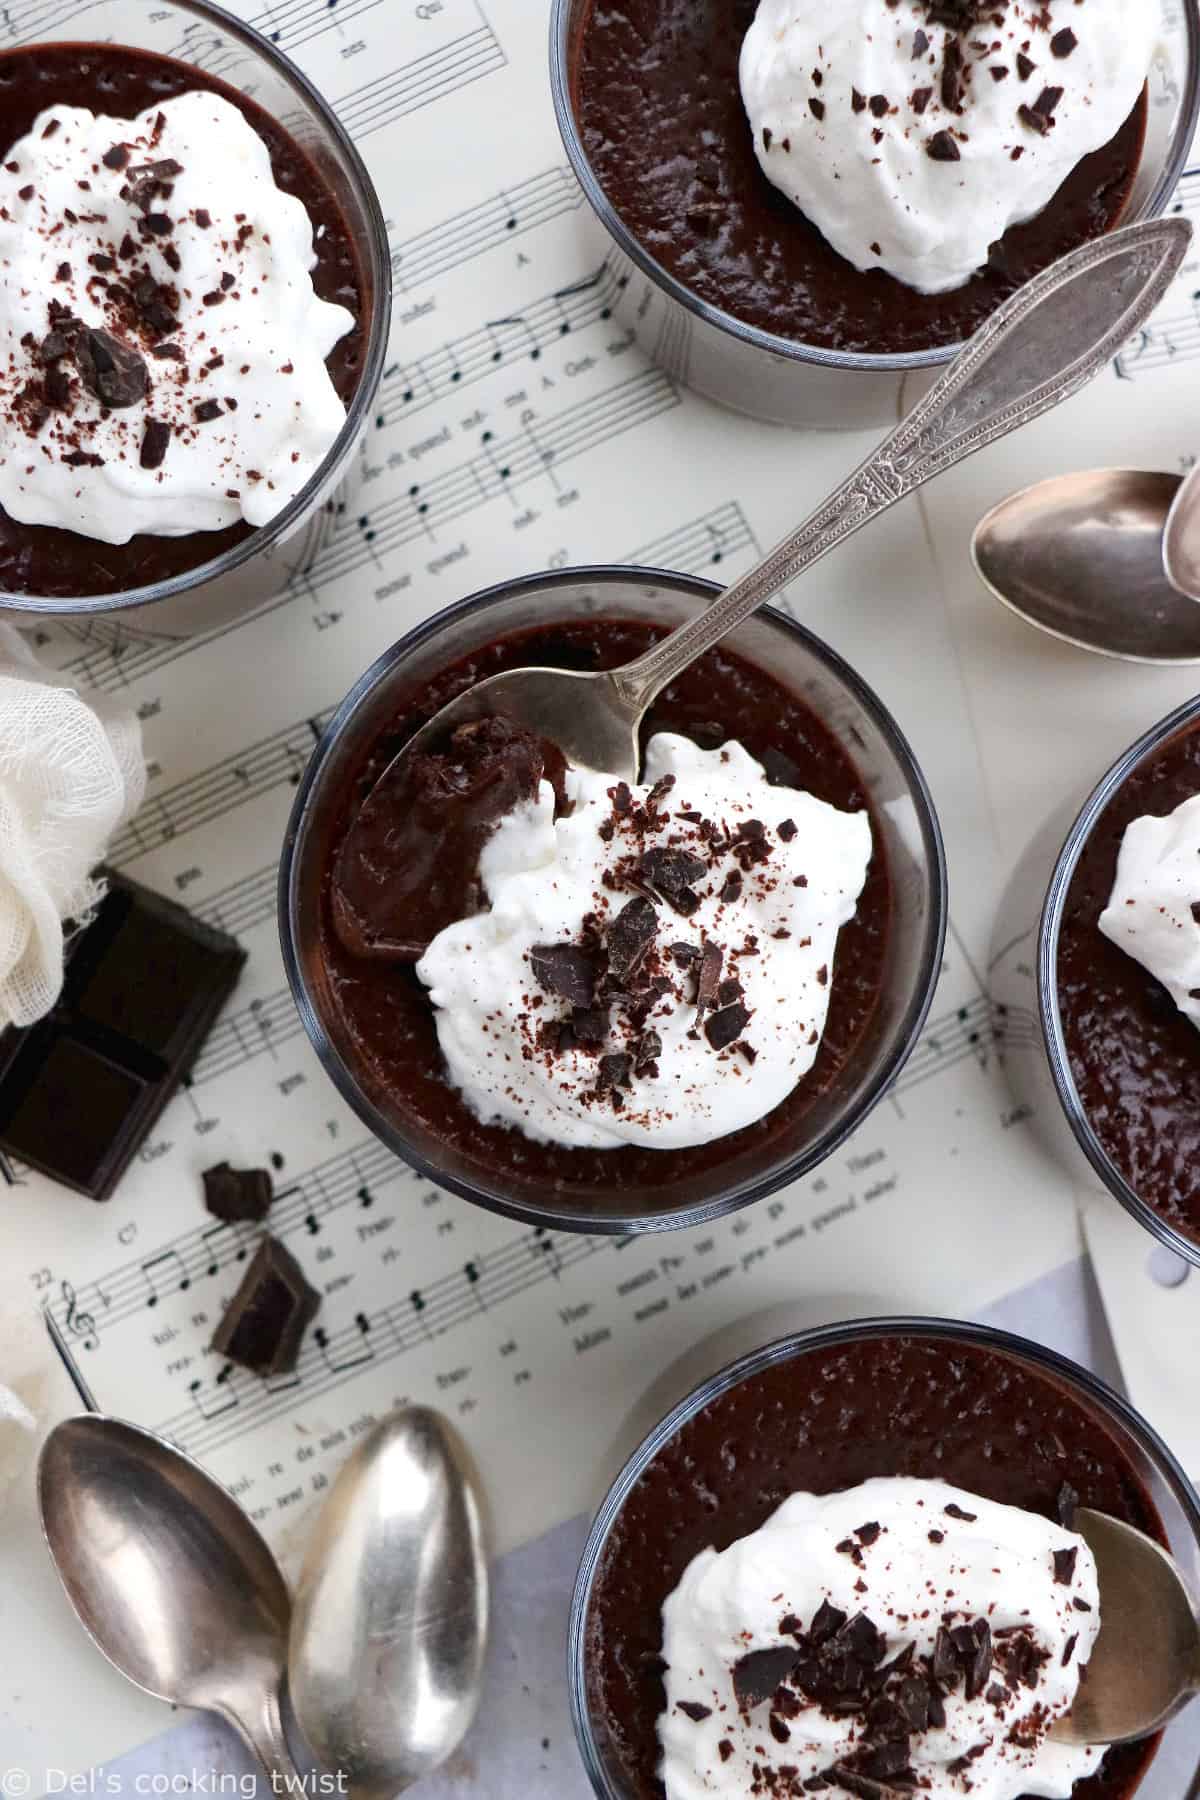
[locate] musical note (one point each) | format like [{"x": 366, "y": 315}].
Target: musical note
[{"x": 169, "y": 1269}]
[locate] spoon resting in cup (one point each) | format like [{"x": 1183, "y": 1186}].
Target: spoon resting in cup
[{"x": 1041, "y": 346}]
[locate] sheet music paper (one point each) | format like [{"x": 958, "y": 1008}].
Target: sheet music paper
[{"x": 518, "y": 429}]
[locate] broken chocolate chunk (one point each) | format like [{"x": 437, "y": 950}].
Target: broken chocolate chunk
[
  {"x": 942, "y": 148},
  {"x": 1064, "y": 1565},
  {"x": 954, "y": 1511},
  {"x": 1063, "y": 42},
  {"x": 233, "y": 1195},
  {"x": 672, "y": 872},
  {"x": 155, "y": 439},
  {"x": 725, "y": 1027},
  {"x": 692, "y": 1709},
  {"x": 265, "y": 1321},
  {"x": 565, "y": 970},
  {"x": 207, "y": 411},
  {"x": 629, "y": 937},
  {"x": 827, "y": 1622},
  {"x": 756, "y": 1676},
  {"x": 614, "y": 1072},
  {"x": 112, "y": 369},
  {"x": 708, "y": 982}
]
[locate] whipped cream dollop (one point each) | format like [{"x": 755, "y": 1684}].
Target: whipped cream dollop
[
  {"x": 655, "y": 964},
  {"x": 162, "y": 351},
  {"x": 913, "y": 144},
  {"x": 902, "y": 1625},
  {"x": 1153, "y": 913}
]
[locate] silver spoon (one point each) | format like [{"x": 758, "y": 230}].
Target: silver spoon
[
  {"x": 1040, "y": 347},
  {"x": 390, "y": 1623},
  {"x": 168, "y": 1577},
  {"x": 1106, "y": 559},
  {"x": 1146, "y": 1662}
]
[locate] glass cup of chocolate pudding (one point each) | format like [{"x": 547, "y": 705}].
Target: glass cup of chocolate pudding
[
  {"x": 1092, "y": 972},
  {"x": 940, "y": 1635},
  {"x": 804, "y": 212},
  {"x": 193, "y": 358},
  {"x": 668, "y": 1023}
]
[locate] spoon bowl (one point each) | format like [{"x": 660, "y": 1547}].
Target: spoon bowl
[
  {"x": 1081, "y": 557},
  {"x": 391, "y": 1617},
  {"x": 167, "y": 1576},
  {"x": 1146, "y": 1661}
]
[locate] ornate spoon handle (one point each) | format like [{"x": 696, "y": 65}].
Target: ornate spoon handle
[{"x": 1044, "y": 344}]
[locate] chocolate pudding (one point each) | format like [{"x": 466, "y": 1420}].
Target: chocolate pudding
[
  {"x": 1135, "y": 1057},
  {"x": 128, "y": 286},
  {"x": 826, "y": 1420},
  {"x": 656, "y": 95},
  {"x": 386, "y": 1012}
]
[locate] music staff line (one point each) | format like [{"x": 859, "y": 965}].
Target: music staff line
[
  {"x": 977, "y": 1029},
  {"x": 508, "y": 214},
  {"x": 214, "y": 792},
  {"x": 223, "y": 1410},
  {"x": 240, "y": 1037},
  {"x": 409, "y": 387},
  {"x": 288, "y": 23},
  {"x": 450, "y": 65},
  {"x": 501, "y": 466},
  {"x": 418, "y": 84},
  {"x": 353, "y": 1177}
]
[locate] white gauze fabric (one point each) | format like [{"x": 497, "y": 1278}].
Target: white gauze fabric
[{"x": 71, "y": 774}]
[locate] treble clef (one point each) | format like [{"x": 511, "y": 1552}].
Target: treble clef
[{"x": 79, "y": 1324}]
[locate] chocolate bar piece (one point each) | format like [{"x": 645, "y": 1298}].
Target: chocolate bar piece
[
  {"x": 238, "y": 1195},
  {"x": 81, "y": 1090},
  {"x": 266, "y": 1320}
]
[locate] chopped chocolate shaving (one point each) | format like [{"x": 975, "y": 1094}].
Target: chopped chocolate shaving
[
  {"x": 858, "y": 101},
  {"x": 711, "y": 959},
  {"x": 787, "y": 830},
  {"x": 920, "y": 44},
  {"x": 953, "y": 1511},
  {"x": 867, "y": 1534},
  {"x": 945, "y": 1658},
  {"x": 615, "y": 1072},
  {"x": 1069, "y": 1649},
  {"x": 725, "y": 1027},
  {"x": 827, "y": 1622},
  {"x": 155, "y": 439},
  {"x": 630, "y": 936},
  {"x": 565, "y": 970},
  {"x": 265, "y": 1321},
  {"x": 207, "y": 411},
  {"x": 731, "y": 889},
  {"x": 921, "y": 98},
  {"x": 685, "y": 954},
  {"x": 1064, "y": 1565},
  {"x": 692, "y": 1709},
  {"x": 234, "y": 1195},
  {"x": 756, "y": 1676},
  {"x": 1025, "y": 66},
  {"x": 942, "y": 148},
  {"x": 117, "y": 157},
  {"x": 672, "y": 872}
]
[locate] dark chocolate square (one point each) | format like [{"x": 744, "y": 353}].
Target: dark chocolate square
[
  {"x": 68, "y": 1110},
  {"x": 80, "y": 1090}
]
